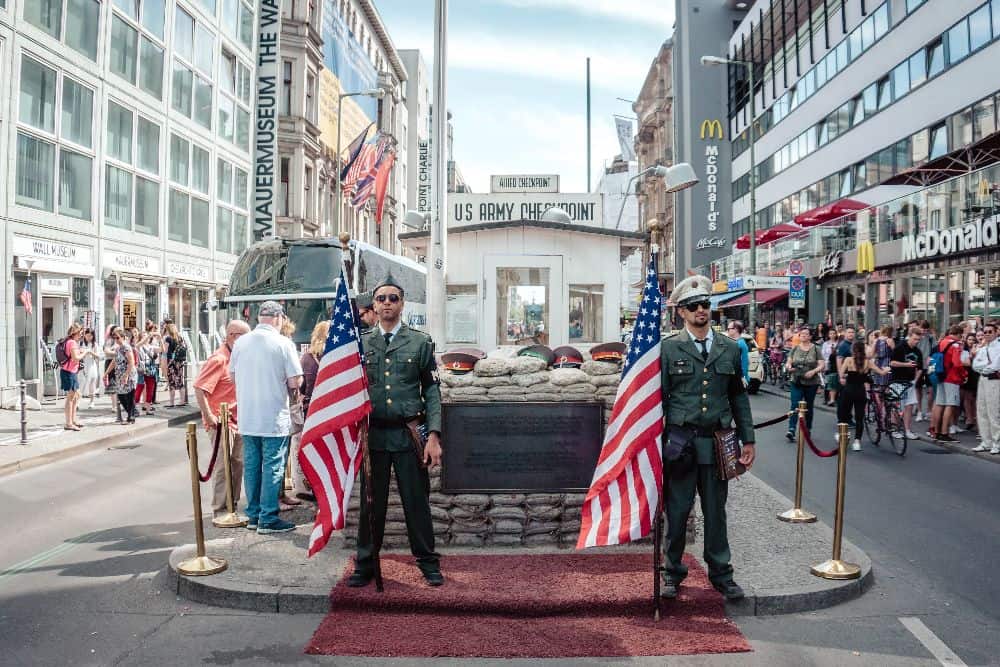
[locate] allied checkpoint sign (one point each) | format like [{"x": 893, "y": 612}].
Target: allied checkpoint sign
[
  {"x": 265, "y": 147},
  {"x": 521, "y": 447}
]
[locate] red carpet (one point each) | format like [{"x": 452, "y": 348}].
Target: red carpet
[{"x": 521, "y": 606}]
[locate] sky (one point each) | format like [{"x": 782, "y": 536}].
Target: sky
[{"x": 517, "y": 78}]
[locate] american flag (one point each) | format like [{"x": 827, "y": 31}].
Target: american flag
[
  {"x": 331, "y": 454},
  {"x": 366, "y": 163},
  {"x": 25, "y": 296},
  {"x": 628, "y": 481},
  {"x": 365, "y": 186}
]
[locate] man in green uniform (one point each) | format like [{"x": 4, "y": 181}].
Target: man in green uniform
[
  {"x": 403, "y": 385},
  {"x": 703, "y": 392}
]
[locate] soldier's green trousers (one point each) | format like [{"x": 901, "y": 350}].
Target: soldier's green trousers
[
  {"x": 414, "y": 489},
  {"x": 679, "y": 498}
]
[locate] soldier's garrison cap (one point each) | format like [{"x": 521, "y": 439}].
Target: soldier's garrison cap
[
  {"x": 690, "y": 290},
  {"x": 613, "y": 352},
  {"x": 388, "y": 281},
  {"x": 543, "y": 352},
  {"x": 567, "y": 357}
]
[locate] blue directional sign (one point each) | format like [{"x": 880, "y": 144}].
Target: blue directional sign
[{"x": 796, "y": 292}]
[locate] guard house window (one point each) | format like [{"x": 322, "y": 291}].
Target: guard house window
[
  {"x": 461, "y": 314},
  {"x": 586, "y": 313},
  {"x": 136, "y": 45},
  {"x": 54, "y": 150},
  {"x": 522, "y": 305},
  {"x": 74, "y": 22}
]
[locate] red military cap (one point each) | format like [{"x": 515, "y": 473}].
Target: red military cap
[
  {"x": 567, "y": 357},
  {"x": 614, "y": 352},
  {"x": 458, "y": 363}
]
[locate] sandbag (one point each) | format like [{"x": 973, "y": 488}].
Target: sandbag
[
  {"x": 507, "y": 527},
  {"x": 533, "y": 397},
  {"x": 502, "y": 540},
  {"x": 528, "y": 379},
  {"x": 541, "y": 527},
  {"x": 507, "y": 512},
  {"x": 605, "y": 380},
  {"x": 491, "y": 367},
  {"x": 490, "y": 382},
  {"x": 524, "y": 365},
  {"x": 454, "y": 380},
  {"x": 506, "y": 392},
  {"x": 465, "y": 540},
  {"x": 508, "y": 499},
  {"x": 562, "y": 377},
  {"x": 592, "y": 367},
  {"x": 455, "y": 392},
  {"x": 545, "y": 513}
]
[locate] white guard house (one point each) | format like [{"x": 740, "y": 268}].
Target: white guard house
[{"x": 515, "y": 277}]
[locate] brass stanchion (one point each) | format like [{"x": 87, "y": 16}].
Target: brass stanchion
[
  {"x": 288, "y": 467},
  {"x": 797, "y": 514},
  {"x": 836, "y": 568},
  {"x": 200, "y": 564},
  {"x": 231, "y": 519}
]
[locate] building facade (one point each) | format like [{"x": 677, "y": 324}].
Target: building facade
[
  {"x": 127, "y": 193},
  {"x": 876, "y": 126},
  {"x": 654, "y": 145}
]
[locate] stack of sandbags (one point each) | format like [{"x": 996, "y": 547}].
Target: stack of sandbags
[
  {"x": 605, "y": 376},
  {"x": 573, "y": 384},
  {"x": 469, "y": 522},
  {"x": 507, "y": 517},
  {"x": 569, "y": 524},
  {"x": 544, "y": 511},
  {"x": 440, "y": 508}
]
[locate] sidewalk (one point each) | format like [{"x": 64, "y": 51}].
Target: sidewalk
[
  {"x": 771, "y": 559},
  {"x": 966, "y": 440},
  {"x": 48, "y": 441}
]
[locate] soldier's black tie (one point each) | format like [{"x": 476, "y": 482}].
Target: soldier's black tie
[
  {"x": 388, "y": 337},
  {"x": 704, "y": 348}
]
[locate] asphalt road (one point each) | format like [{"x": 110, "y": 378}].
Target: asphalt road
[{"x": 86, "y": 540}]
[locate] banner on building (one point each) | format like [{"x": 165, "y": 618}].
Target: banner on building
[
  {"x": 265, "y": 149},
  {"x": 625, "y": 138}
]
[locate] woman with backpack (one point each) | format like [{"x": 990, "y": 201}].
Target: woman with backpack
[
  {"x": 68, "y": 355},
  {"x": 805, "y": 363},
  {"x": 124, "y": 372},
  {"x": 175, "y": 359}
]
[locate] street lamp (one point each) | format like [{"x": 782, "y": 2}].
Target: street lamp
[
  {"x": 713, "y": 61},
  {"x": 418, "y": 220},
  {"x": 675, "y": 178},
  {"x": 556, "y": 214},
  {"x": 377, "y": 93},
  {"x": 656, "y": 169}
]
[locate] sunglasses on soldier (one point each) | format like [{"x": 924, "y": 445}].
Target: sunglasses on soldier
[
  {"x": 391, "y": 298},
  {"x": 693, "y": 307}
]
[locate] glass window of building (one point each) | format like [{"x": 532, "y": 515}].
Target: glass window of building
[
  {"x": 75, "y": 186},
  {"x": 246, "y": 24},
  {"x": 203, "y": 102},
  {"x": 199, "y": 222},
  {"x": 124, "y": 49},
  {"x": 204, "y": 47},
  {"x": 151, "y": 68},
  {"x": 884, "y": 93},
  {"x": 77, "y": 113},
  {"x": 181, "y": 96},
  {"x": 232, "y": 228},
  {"x": 234, "y": 100},
  {"x": 80, "y": 18},
  {"x": 286, "y": 87},
  {"x": 935, "y": 58},
  {"x": 35, "y": 167},
  {"x": 132, "y": 199},
  {"x": 119, "y": 133},
  {"x": 45, "y": 15},
  {"x": 38, "y": 95},
  {"x": 118, "y": 198},
  {"x": 183, "y": 34},
  {"x": 918, "y": 68},
  {"x": 147, "y": 206},
  {"x": 961, "y": 127},
  {"x": 178, "y": 220},
  {"x": 920, "y": 142},
  {"x": 461, "y": 314},
  {"x": 200, "y": 165},
  {"x": 939, "y": 141},
  {"x": 284, "y": 187},
  {"x": 153, "y": 17},
  {"x": 179, "y": 156},
  {"x": 958, "y": 42},
  {"x": 979, "y": 28},
  {"x": 224, "y": 230},
  {"x": 148, "y": 146},
  {"x": 900, "y": 81},
  {"x": 136, "y": 51},
  {"x": 984, "y": 118},
  {"x": 522, "y": 305}
]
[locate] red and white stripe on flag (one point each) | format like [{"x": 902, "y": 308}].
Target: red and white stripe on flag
[
  {"x": 628, "y": 481},
  {"x": 330, "y": 454}
]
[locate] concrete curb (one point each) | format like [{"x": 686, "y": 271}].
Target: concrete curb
[
  {"x": 221, "y": 592},
  {"x": 958, "y": 449},
  {"x": 101, "y": 442}
]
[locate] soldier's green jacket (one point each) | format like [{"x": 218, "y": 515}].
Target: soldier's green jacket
[
  {"x": 705, "y": 394},
  {"x": 402, "y": 383}
]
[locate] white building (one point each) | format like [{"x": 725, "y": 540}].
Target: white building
[{"x": 126, "y": 196}]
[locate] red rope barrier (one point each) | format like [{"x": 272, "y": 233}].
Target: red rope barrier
[
  {"x": 215, "y": 455},
  {"x": 818, "y": 452}
]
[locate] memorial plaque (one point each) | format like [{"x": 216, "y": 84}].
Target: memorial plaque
[{"x": 520, "y": 447}]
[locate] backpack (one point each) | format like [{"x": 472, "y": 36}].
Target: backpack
[
  {"x": 61, "y": 356},
  {"x": 181, "y": 352},
  {"x": 937, "y": 365}
]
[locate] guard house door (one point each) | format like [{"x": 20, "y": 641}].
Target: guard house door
[{"x": 524, "y": 301}]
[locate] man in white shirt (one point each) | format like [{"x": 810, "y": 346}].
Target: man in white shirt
[
  {"x": 266, "y": 369},
  {"x": 987, "y": 364}
]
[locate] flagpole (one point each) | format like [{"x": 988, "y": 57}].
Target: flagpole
[{"x": 437, "y": 251}]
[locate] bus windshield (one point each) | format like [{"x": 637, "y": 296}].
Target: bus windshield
[{"x": 275, "y": 267}]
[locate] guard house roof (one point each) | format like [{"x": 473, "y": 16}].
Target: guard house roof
[{"x": 629, "y": 240}]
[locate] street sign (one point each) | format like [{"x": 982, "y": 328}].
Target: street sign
[
  {"x": 795, "y": 267},
  {"x": 796, "y": 292}
]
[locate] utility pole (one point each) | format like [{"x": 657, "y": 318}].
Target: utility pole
[
  {"x": 437, "y": 253},
  {"x": 588, "y": 123}
]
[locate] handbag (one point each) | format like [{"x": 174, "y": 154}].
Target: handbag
[{"x": 727, "y": 454}]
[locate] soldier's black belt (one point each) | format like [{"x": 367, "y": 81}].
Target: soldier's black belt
[
  {"x": 701, "y": 432},
  {"x": 399, "y": 422}
]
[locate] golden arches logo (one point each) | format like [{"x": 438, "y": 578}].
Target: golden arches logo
[{"x": 711, "y": 128}]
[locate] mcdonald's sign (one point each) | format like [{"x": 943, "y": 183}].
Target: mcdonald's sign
[{"x": 711, "y": 128}]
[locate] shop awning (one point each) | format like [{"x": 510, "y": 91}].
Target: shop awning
[
  {"x": 765, "y": 236},
  {"x": 763, "y": 296},
  {"x": 717, "y": 299},
  {"x": 822, "y": 214}
]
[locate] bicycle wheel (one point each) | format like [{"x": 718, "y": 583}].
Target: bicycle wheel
[
  {"x": 895, "y": 429},
  {"x": 872, "y": 426}
]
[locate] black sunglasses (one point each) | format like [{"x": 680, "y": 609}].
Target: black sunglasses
[
  {"x": 391, "y": 298},
  {"x": 693, "y": 307}
]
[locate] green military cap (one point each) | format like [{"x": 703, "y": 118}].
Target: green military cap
[
  {"x": 691, "y": 290},
  {"x": 388, "y": 281},
  {"x": 543, "y": 352}
]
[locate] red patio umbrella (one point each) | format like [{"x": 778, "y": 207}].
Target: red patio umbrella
[
  {"x": 765, "y": 236},
  {"x": 821, "y": 214}
]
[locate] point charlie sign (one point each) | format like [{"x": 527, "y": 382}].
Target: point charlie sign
[
  {"x": 473, "y": 209},
  {"x": 964, "y": 238}
]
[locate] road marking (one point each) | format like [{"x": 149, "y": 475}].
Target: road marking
[
  {"x": 931, "y": 642},
  {"x": 49, "y": 554}
]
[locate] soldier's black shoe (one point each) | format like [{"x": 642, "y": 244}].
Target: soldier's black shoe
[
  {"x": 359, "y": 579},
  {"x": 433, "y": 578},
  {"x": 668, "y": 589},
  {"x": 730, "y": 590}
]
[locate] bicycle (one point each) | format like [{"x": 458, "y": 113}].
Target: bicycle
[
  {"x": 884, "y": 415},
  {"x": 774, "y": 370}
]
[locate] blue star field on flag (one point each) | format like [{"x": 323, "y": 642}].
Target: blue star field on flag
[
  {"x": 342, "y": 327},
  {"x": 646, "y": 333}
]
